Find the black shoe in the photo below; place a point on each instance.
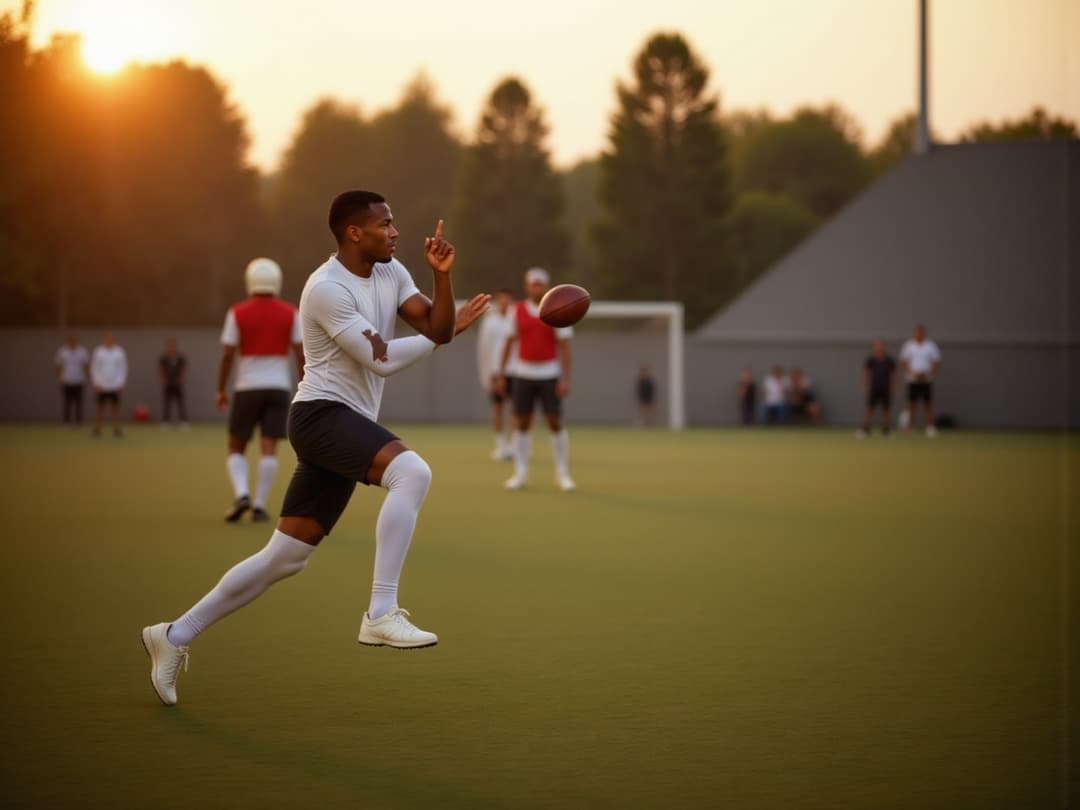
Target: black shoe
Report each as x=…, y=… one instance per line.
x=237, y=510
x=259, y=515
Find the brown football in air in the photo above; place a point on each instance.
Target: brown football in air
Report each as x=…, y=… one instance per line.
x=564, y=305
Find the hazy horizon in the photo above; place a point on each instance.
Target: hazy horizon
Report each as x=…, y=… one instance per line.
x=989, y=59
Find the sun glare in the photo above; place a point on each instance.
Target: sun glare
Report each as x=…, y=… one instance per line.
x=112, y=40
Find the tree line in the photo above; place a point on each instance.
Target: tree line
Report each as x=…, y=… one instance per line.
x=129, y=201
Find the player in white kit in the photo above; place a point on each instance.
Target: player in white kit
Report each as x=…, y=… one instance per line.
x=348, y=311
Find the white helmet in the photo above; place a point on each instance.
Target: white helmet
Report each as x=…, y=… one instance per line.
x=263, y=276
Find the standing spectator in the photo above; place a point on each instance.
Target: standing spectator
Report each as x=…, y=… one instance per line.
x=108, y=375
x=921, y=360
x=494, y=328
x=746, y=392
x=260, y=334
x=645, y=393
x=172, y=371
x=805, y=408
x=878, y=381
x=71, y=364
x=776, y=387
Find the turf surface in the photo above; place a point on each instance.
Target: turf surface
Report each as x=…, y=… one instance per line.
x=717, y=618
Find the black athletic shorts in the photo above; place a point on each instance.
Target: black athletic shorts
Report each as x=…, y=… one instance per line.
x=526, y=392
x=920, y=390
x=334, y=447
x=497, y=398
x=266, y=407
x=108, y=396
x=880, y=397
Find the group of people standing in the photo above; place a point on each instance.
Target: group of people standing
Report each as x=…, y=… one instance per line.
x=106, y=370
x=522, y=362
x=791, y=399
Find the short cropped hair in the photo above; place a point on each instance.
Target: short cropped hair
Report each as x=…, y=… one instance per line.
x=348, y=208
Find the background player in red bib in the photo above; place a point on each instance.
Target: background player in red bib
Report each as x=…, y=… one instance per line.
x=260, y=334
x=541, y=372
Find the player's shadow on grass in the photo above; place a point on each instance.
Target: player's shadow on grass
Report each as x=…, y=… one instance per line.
x=313, y=766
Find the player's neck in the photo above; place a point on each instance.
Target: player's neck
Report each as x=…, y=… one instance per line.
x=356, y=265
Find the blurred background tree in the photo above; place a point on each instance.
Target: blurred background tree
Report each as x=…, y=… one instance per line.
x=664, y=186
x=508, y=211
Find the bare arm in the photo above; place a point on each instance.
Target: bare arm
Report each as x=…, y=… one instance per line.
x=221, y=399
x=563, y=388
x=434, y=319
x=298, y=353
x=500, y=374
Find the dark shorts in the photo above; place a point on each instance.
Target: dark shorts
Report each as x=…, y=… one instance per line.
x=498, y=399
x=920, y=390
x=526, y=392
x=112, y=397
x=879, y=397
x=268, y=408
x=334, y=447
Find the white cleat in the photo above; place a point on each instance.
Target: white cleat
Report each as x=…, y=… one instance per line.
x=931, y=432
x=515, y=482
x=566, y=483
x=861, y=434
x=395, y=630
x=165, y=661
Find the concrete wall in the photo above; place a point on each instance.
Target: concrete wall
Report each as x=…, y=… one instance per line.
x=445, y=387
x=1020, y=386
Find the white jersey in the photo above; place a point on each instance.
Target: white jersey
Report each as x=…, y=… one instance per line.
x=776, y=389
x=491, y=344
x=108, y=368
x=259, y=372
x=919, y=358
x=333, y=300
x=72, y=364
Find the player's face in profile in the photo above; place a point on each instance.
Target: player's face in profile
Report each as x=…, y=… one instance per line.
x=376, y=235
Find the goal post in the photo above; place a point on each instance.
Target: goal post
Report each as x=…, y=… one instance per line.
x=672, y=311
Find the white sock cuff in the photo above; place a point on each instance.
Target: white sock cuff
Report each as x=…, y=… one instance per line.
x=405, y=467
x=288, y=547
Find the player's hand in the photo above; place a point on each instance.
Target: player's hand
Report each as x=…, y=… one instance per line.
x=378, y=345
x=470, y=311
x=562, y=388
x=498, y=385
x=438, y=252
x=221, y=401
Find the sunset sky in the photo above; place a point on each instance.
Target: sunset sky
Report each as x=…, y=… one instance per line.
x=989, y=58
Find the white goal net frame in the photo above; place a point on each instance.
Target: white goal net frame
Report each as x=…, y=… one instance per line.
x=672, y=312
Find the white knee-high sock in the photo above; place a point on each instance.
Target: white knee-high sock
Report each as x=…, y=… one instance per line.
x=522, y=443
x=406, y=479
x=283, y=556
x=236, y=463
x=560, y=447
x=267, y=470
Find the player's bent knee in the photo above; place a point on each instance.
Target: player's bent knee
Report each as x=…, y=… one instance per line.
x=407, y=472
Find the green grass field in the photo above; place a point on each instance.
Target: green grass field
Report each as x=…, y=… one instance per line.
x=716, y=619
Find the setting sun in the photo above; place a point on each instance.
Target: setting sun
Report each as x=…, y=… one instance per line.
x=114, y=37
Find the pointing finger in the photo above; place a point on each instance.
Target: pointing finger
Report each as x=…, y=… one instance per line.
x=438, y=229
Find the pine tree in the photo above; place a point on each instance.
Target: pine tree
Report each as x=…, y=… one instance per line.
x=664, y=186
x=508, y=214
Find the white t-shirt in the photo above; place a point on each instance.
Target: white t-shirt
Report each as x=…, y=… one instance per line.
x=776, y=389
x=546, y=370
x=260, y=371
x=333, y=300
x=919, y=358
x=108, y=368
x=492, y=343
x=72, y=364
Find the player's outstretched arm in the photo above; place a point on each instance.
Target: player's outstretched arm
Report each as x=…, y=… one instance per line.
x=434, y=318
x=468, y=312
